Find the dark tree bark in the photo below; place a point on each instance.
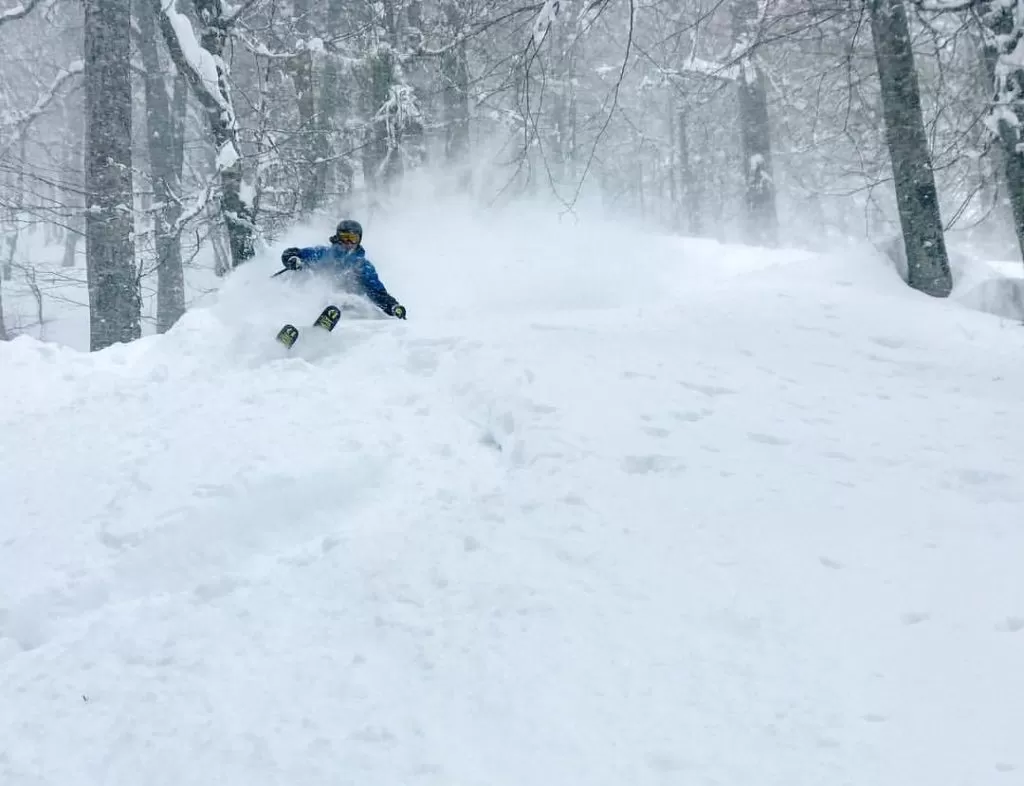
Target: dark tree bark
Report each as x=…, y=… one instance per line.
x=114, y=297
x=381, y=162
x=165, y=137
x=311, y=123
x=74, y=231
x=395, y=134
x=690, y=182
x=3, y=326
x=13, y=234
x=334, y=105
x=762, y=222
x=455, y=87
x=1001, y=39
x=916, y=196
x=565, y=52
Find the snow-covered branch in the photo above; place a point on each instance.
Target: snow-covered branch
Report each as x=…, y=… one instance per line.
x=23, y=121
x=729, y=72
x=200, y=204
x=203, y=66
x=199, y=65
x=545, y=18
x=946, y=6
x=260, y=49
x=18, y=12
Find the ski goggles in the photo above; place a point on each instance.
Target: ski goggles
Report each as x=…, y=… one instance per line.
x=348, y=238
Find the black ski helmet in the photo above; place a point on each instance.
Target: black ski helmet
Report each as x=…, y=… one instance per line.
x=348, y=226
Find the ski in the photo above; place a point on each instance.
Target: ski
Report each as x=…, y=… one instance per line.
x=287, y=335
x=327, y=320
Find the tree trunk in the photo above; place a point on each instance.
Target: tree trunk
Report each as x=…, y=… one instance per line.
x=114, y=297
x=916, y=196
x=382, y=162
x=690, y=183
x=762, y=221
x=675, y=166
x=334, y=107
x=455, y=87
x=16, y=208
x=562, y=86
x=312, y=190
x=165, y=137
x=3, y=325
x=71, y=156
x=312, y=130
x=395, y=133
x=1001, y=40
x=220, y=114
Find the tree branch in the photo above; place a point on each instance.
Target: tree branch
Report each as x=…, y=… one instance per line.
x=18, y=12
x=24, y=122
x=946, y=6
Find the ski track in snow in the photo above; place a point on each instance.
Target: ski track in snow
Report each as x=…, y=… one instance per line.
x=765, y=528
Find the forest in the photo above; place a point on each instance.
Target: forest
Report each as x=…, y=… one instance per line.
x=141, y=141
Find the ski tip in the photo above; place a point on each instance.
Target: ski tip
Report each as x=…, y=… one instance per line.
x=328, y=318
x=287, y=335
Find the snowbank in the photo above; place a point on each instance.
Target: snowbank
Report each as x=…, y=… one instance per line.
x=677, y=512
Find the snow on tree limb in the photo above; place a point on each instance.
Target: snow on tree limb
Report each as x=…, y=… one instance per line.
x=18, y=12
x=207, y=73
x=202, y=65
x=943, y=6
x=199, y=204
x=729, y=72
x=1004, y=36
x=23, y=121
x=544, y=19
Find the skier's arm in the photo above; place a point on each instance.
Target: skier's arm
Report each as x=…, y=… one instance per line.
x=377, y=293
x=308, y=257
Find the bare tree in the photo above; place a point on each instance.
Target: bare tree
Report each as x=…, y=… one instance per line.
x=165, y=116
x=201, y=62
x=3, y=326
x=311, y=128
x=394, y=124
x=335, y=105
x=753, y=119
x=762, y=218
x=916, y=195
x=114, y=299
x=1002, y=30
x=455, y=85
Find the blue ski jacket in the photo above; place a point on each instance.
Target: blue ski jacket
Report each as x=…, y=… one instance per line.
x=352, y=271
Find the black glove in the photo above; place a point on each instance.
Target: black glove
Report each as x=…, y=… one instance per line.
x=290, y=259
x=398, y=311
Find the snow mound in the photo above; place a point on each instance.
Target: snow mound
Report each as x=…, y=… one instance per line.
x=995, y=288
x=648, y=513
x=992, y=288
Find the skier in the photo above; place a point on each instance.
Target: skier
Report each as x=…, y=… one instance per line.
x=345, y=261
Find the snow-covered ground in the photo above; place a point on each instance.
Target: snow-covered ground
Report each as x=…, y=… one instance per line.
x=605, y=510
